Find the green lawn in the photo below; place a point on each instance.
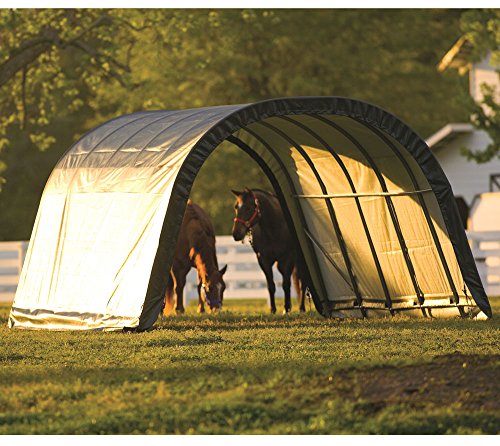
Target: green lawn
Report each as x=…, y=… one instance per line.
x=244, y=371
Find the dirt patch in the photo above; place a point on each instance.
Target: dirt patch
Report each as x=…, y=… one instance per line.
x=469, y=381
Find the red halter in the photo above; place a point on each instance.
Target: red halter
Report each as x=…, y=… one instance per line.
x=248, y=223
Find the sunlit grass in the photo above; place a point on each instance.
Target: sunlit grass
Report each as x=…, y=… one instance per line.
x=245, y=371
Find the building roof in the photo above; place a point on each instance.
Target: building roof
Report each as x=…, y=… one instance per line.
x=447, y=134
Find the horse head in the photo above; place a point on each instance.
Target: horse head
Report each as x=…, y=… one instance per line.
x=212, y=291
x=247, y=212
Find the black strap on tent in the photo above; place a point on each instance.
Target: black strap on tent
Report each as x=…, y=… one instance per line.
x=358, y=203
x=388, y=200
x=423, y=204
x=367, y=194
x=330, y=259
x=323, y=296
x=331, y=211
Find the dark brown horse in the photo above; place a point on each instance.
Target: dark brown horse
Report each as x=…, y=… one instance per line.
x=196, y=248
x=259, y=215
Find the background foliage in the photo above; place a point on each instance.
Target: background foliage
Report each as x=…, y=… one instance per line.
x=64, y=71
x=482, y=29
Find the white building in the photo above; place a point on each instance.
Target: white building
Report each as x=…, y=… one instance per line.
x=468, y=178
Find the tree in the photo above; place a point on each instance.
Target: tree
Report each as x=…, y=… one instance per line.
x=172, y=59
x=482, y=30
x=54, y=62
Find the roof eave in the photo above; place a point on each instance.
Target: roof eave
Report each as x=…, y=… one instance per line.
x=447, y=133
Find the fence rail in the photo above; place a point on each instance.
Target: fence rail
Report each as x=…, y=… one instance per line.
x=11, y=263
x=244, y=278
x=485, y=247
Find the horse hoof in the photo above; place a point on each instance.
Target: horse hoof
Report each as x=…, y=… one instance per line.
x=179, y=311
x=287, y=310
x=201, y=310
x=273, y=310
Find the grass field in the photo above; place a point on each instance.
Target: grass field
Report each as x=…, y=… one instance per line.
x=244, y=371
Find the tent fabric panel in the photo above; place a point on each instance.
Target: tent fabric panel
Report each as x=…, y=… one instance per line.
x=446, y=244
x=388, y=247
x=62, y=321
x=437, y=220
x=92, y=138
x=428, y=266
x=351, y=225
x=126, y=238
x=41, y=252
x=374, y=209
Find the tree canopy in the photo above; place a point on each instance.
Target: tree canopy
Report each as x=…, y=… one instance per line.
x=63, y=72
x=482, y=30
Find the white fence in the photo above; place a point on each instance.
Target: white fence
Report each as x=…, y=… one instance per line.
x=244, y=278
x=486, y=251
x=11, y=262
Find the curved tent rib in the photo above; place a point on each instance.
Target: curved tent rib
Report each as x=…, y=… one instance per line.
x=350, y=177
x=389, y=203
x=345, y=171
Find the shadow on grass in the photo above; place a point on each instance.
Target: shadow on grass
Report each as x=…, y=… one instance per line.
x=432, y=398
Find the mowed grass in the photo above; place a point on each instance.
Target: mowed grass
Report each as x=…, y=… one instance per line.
x=244, y=371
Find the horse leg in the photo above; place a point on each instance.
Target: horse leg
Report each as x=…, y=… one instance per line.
x=300, y=289
x=267, y=268
x=302, y=297
x=201, y=305
x=169, y=296
x=180, y=281
x=285, y=268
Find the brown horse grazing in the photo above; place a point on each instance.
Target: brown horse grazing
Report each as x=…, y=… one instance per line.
x=196, y=248
x=259, y=214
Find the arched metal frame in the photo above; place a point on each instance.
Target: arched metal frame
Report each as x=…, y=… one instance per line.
x=390, y=205
x=380, y=123
x=342, y=166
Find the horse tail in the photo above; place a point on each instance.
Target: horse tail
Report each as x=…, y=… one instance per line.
x=300, y=282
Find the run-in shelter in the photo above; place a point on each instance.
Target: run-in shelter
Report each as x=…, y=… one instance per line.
x=368, y=204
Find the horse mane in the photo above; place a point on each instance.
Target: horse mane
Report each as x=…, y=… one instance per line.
x=201, y=237
x=256, y=189
x=197, y=213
